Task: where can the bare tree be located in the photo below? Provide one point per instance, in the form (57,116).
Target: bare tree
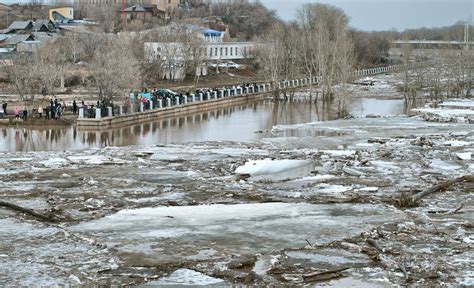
(277,54)
(407,50)
(114,69)
(49,65)
(328,41)
(22,79)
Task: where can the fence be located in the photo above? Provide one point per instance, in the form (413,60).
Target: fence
(226,92)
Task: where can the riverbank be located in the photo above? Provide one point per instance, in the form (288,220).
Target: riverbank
(32,121)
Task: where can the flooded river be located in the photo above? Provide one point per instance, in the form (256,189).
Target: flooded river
(246,122)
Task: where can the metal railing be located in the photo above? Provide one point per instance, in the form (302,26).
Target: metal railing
(225,92)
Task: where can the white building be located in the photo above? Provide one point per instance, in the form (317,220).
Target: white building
(218,51)
(171,55)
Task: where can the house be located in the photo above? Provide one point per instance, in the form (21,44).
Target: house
(26,42)
(139,12)
(61,13)
(4,8)
(43,37)
(15,39)
(19,27)
(43,25)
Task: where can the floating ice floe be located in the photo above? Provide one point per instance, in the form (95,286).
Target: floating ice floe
(438,164)
(339,153)
(54,162)
(275,169)
(445,115)
(464,156)
(458,104)
(94,160)
(456,143)
(179,233)
(187,277)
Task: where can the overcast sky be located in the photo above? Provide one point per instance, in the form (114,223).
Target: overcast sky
(388,14)
(381,14)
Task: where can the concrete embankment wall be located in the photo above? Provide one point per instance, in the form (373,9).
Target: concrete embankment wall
(167,112)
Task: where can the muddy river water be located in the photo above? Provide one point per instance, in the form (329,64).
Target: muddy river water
(246,122)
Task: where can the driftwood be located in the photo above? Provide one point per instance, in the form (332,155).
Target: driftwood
(447,212)
(443,186)
(374,244)
(28,211)
(325,275)
(402,268)
(456,210)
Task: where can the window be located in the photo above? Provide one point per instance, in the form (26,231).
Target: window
(215,52)
(210,52)
(231,50)
(236,51)
(225,51)
(221,52)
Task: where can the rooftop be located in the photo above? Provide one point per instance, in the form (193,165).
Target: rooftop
(20,25)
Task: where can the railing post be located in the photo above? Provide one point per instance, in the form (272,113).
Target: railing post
(168,102)
(176,98)
(185,99)
(160,103)
(81,112)
(120,110)
(141,106)
(97,113)
(109,111)
(151,104)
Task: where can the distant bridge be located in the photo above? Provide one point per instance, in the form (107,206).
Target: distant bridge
(434,44)
(465,44)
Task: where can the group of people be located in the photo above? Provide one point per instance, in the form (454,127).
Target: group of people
(53,110)
(18,112)
(145,96)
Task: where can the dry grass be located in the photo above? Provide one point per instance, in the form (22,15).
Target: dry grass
(406,200)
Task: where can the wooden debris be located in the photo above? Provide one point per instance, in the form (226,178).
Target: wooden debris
(374,244)
(444,186)
(42,217)
(325,275)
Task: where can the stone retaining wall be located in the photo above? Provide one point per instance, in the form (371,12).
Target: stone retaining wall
(167,112)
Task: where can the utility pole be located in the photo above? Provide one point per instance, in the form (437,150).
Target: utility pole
(466,35)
